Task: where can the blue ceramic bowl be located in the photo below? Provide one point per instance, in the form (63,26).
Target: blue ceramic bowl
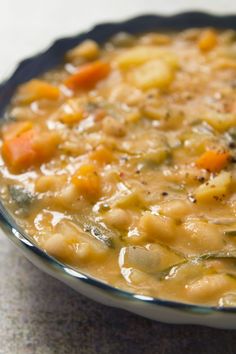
(157,309)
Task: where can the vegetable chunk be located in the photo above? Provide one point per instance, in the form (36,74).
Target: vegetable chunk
(28,149)
(18,152)
(207,40)
(36,90)
(88,75)
(213,161)
(214,189)
(88,50)
(153,74)
(87,181)
(141,54)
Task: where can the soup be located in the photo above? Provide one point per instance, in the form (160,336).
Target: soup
(120,163)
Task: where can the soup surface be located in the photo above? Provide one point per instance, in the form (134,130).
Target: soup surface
(121,163)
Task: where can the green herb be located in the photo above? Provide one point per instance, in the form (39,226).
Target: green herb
(22,197)
(231,254)
(232,133)
(99,232)
(91,106)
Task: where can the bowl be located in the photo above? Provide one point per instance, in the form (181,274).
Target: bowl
(153,308)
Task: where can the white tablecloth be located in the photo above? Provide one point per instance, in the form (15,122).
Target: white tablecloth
(27,26)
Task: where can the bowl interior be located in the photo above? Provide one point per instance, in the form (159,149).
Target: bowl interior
(52,57)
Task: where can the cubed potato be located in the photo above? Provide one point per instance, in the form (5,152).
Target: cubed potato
(126,93)
(67,196)
(153,74)
(141,54)
(88,50)
(36,90)
(113,127)
(208,40)
(214,189)
(129,200)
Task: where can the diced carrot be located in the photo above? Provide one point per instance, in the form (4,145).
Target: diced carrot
(207,40)
(102,155)
(28,149)
(12,130)
(36,90)
(18,152)
(88,75)
(87,181)
(213,161)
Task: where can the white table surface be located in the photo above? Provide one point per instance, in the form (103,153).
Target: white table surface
(27,26)
(38,314)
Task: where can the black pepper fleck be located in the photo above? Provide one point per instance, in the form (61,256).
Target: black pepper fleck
(201,179)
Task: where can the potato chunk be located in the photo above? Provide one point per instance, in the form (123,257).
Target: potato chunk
(214,189)
(88,50)
(219,121)
(207,40)
(36,90)
(141,54)
(153,74)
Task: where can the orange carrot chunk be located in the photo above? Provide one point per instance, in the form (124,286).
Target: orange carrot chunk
(213,161)
(18,152)
(29,148)
(88,75)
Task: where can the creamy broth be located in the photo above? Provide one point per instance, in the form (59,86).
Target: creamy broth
(121,163)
